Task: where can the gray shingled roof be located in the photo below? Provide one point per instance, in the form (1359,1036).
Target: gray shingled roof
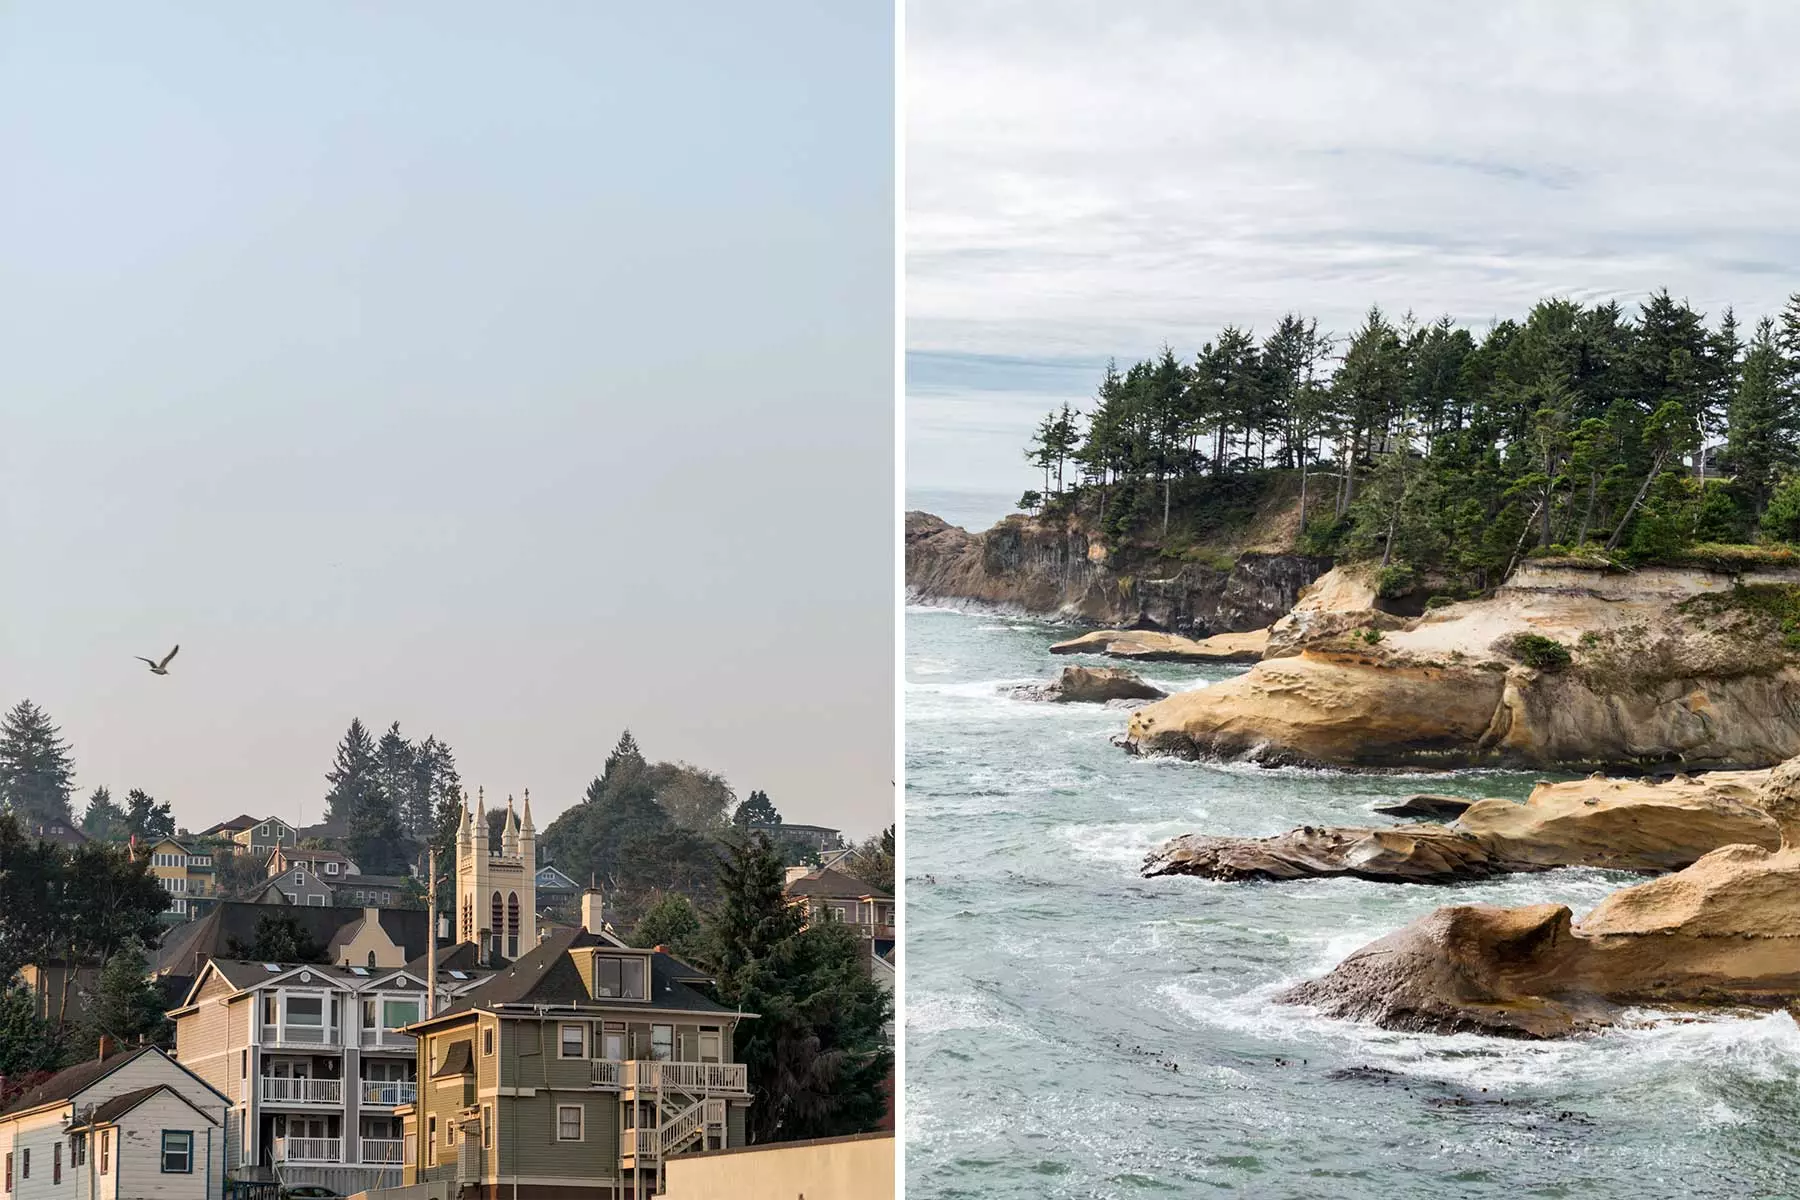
(834,884)
(547,975)
(72,1081)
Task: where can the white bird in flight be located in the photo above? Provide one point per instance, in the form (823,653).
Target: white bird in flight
(159,668)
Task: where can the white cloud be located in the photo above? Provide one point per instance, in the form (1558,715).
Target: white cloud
(1086,180)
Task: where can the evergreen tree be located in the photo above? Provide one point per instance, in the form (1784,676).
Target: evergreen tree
(757,810)
(37,774)
(279,939)
(103,819)
(352,775)
(1760,425)
(126,1005)
(145,819)
(670,922)
(873,861)
(396,763)
(374,837)
(816,1056)
(29,1047)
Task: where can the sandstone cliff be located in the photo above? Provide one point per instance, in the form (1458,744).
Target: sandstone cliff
(1725,932)
(1059,569)
(1564,666)
(1619,824)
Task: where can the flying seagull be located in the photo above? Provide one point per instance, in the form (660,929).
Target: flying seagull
(159,668)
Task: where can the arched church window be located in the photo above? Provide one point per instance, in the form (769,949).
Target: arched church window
(512,925)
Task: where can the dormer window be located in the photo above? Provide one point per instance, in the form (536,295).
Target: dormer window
(619,976)
(331,868)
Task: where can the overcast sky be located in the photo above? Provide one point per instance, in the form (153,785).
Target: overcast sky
(1086,180)
(519,372)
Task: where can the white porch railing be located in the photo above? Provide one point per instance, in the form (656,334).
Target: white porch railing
(692,1076)
(381,1093)
(275,1089)
(309,1150)
(608,1073)
(645,1143)
(681,1128)
(382,1150)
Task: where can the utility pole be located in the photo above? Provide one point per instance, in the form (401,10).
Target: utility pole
(431,933)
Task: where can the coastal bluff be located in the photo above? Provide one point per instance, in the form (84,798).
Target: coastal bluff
(1572,665)
(1059,568)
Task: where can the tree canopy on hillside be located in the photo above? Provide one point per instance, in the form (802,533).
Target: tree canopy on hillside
(1446,450)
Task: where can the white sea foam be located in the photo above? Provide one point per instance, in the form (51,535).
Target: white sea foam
(938,1012)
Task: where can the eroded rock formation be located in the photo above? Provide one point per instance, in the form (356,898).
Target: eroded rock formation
(1626,825)
(1149,645)
(1059,569)
(1091,685)
(1723,932)
(1662,665)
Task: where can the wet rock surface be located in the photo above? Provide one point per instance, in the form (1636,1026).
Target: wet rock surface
(1091,685)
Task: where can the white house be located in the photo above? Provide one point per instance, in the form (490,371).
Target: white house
(131,1125)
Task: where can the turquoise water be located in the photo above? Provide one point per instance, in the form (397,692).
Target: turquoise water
(1073,1030)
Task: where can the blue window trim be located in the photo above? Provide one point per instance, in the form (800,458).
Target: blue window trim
(189,1135)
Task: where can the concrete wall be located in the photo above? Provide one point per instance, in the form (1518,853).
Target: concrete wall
(854,1168)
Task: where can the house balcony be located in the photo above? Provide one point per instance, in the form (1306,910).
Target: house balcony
(275,1089)
(387,1151)
(693,1078)
(384,1093)
(299,1037)
(387,1039)
(638,1147)
(309,1150)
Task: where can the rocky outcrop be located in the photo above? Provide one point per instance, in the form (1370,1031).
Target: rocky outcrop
(1058,568)
(1090,685)
(1149,645)
(1562,667)
(1429,806)
(1725,931)
(1626,825)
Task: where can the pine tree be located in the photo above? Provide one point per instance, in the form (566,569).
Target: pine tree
(816,1056)
(373,834)
(670,922)
(623,765)
(29,1047)
(757,810)
(125,1005)
(103,819)
(396,775)
(1760,427)
(145,819)
(37,774)
(352,774)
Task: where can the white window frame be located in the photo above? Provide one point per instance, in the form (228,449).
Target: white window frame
(580,1111)
(331,868)
(562,1041)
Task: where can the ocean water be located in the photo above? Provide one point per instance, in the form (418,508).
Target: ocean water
(1073,1030)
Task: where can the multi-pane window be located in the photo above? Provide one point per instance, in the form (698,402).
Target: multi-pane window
(177,1152)
(662,1042)
(574,1041)
(105,1151)
(487,1042)
(619,977)
(568,1122)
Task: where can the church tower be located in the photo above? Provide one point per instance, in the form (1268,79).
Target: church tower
(496,886)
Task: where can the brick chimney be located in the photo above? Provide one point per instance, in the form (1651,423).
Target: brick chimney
(107,1046)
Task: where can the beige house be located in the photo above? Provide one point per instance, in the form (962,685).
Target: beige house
(126,1124)
(311,1060)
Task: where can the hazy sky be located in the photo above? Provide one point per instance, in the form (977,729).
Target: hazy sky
(519,372)
(1086,180)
